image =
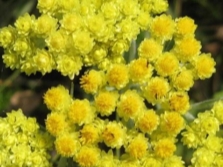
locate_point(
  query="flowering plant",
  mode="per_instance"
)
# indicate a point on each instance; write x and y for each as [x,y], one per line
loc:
[137,109]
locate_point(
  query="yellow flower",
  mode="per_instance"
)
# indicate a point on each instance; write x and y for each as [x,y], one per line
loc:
[144,19]
[73,18]
[137,147]
[82,42]
[69,64]
[191,138]
[47,6]
[129,9]
[108,160]
[151,161]
[110,10]
[187,49]
[114,135]
[204,66]
[174,161]
[88,156]
[207,123]
[158,6]
[43,61]
[119,47]
[213,143]
[7,36]
[140,70]
[183,80]
[171,123]
[23,141]
[57,98]
[129,162]
[203,157]
[56,123]
[179,102]
[96,56]
[130,105]
[81,112]
[128,29]
[68,6]
[91,81]
[67,145]
[150,49]
[97,26]
[118,76]
[44,25]
[167,64]
[164,148]
[24,24]
[105,102]
[89,134]
[162,28]
[217,111]
[148,121]
[22,47]
[57,41]
[11,60]
[156,90]
[185,26]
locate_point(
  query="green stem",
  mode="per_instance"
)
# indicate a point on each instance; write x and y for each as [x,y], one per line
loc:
[178,7]
[72,88]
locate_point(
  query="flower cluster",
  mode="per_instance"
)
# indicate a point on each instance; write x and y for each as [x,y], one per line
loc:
[22,144]
[202,135]
[70,34]
[136,108]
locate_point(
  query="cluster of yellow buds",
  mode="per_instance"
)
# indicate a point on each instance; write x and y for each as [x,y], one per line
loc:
[22,143]
[136,108]
[203,135]
[70,34]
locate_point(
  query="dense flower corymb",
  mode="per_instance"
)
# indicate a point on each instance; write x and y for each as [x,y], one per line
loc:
[22,141]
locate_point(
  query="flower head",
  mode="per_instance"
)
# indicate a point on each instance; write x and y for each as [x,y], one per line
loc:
[171,123]
[105,102]
[88,156]
[204,66]
[148,121]
[164,148]
[162,27]
[140,70]
[137,147]
[167,64]
[118,76]
[130,105]
[89,134]
[156,90]
[67,145]
[91,81]
[56,123]
[185,27]
[57,98]
[187,49]
[179,102]
[114,135]
[81,112]
[150,49]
